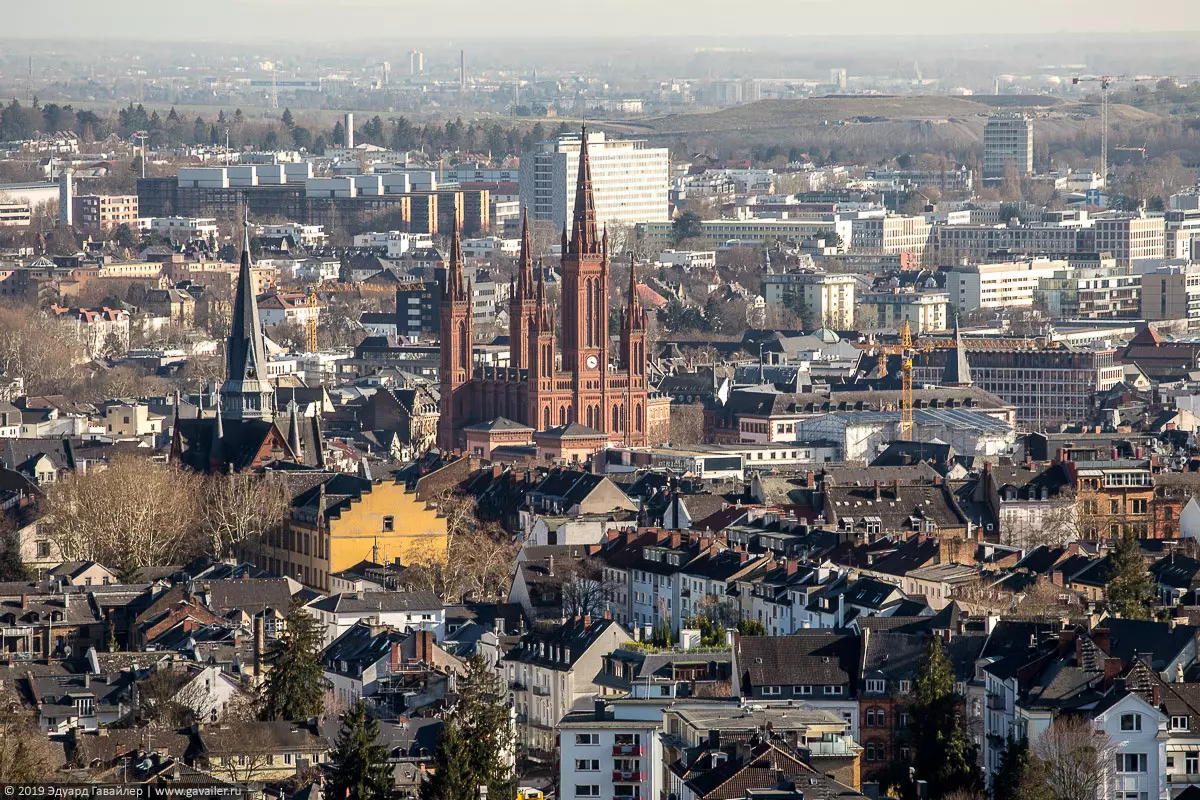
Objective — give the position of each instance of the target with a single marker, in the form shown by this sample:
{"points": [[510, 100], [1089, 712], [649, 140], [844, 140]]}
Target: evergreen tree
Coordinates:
{"points": [[751, 627], [451, 778], [486, 724], [287, 119], [945, 757], [1130, 587], [295, 686], [338, 136], [359, 768], [1019, 776]]}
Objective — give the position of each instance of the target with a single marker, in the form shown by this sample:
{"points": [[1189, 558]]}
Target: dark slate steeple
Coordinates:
{"points": [[958, 369], [246, 394]]}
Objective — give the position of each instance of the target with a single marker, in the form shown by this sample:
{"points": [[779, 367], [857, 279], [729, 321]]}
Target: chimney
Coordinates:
{"points": [[587, 620], [87, 680], [792, 566], [743, 556], [259, 636], [1112, 668], [811, 479], [676, 538], [878, 494], [24, 601], [1101, 637], [395, 659], [424, 644], [896, 488], [550, 565]]}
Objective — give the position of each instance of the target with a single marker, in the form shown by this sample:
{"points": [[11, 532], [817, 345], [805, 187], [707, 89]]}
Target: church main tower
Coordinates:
{"points": [[588, 385], [246, 393]]}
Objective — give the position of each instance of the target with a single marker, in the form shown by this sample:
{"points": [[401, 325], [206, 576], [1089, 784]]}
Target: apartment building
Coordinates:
{"points": [[828, 298], [551, 669], [1007, 284], [1172, 292], [181, 229], [629, 179], [925, 312], [1098, 293], [103, 212], [15, 215], [1047, 386], [1007, 139], [893, 235], [1131, 237]]}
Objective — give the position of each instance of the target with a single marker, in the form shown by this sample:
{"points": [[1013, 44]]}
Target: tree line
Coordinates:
{"points": [[20, 121]]}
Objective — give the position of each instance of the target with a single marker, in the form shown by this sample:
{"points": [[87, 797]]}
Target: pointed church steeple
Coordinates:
{"points": [[454, 270], [246, 393], [525, 273], [216, 449], [637, 316], [958, 369], [584, 237], [294, 430]]}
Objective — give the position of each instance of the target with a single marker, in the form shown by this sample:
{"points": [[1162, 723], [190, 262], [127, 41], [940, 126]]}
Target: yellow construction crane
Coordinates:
{"points": [[310, 320], [907, 348]]}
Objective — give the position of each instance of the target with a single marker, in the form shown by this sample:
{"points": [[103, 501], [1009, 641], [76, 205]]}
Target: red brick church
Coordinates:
{"points": [[539, 388]]}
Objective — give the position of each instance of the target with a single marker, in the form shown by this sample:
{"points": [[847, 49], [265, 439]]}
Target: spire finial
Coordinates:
{"points": [[525, 274]]}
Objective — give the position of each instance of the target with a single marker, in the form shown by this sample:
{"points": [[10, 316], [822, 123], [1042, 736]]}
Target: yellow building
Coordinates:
{"points": [[346, 519]]}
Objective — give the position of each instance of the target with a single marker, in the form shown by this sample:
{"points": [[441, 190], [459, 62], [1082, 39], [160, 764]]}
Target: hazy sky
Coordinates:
{"points": [[315, 20]]}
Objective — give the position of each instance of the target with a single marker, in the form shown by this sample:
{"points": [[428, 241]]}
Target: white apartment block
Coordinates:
{"points": [[181, 228], [1008, 284], [1131, 238], [1007, 138], [614, 752], [925, 312], [893, 235], [1101, 293], [629, 180], [689, 259], [829, 298]]}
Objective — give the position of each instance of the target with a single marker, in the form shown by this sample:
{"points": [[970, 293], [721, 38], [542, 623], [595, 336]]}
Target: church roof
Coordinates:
{"points": [[498, 424], [958, 369]]}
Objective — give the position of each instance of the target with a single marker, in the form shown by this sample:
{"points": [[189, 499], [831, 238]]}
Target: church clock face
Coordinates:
{"points": [[592, 362]]}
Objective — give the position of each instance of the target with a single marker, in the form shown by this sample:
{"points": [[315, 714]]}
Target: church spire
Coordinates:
{"points": [[958, 369], [216, 449], [454, 272], [525, 273], [584, 238], [246, 393], [636, 315], [542, 305], [294, 430]]}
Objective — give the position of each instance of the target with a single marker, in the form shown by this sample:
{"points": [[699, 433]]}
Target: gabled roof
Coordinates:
{"points": [[819, 657], [368, 602]]}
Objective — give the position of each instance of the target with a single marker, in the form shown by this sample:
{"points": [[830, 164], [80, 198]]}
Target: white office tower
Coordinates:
{"points": [[629, 180], [349, 130], [1007, 138], [66, 199]]}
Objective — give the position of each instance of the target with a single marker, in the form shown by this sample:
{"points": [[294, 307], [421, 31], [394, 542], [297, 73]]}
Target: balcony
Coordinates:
{"points": [[995, 702], [836, 748], [1182, 779], [542, 691], [619, 775], [627, 750]]}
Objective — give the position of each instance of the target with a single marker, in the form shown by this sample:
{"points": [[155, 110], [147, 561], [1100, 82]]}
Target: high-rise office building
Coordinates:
{"points": [[629, 180], [1007, 138]]}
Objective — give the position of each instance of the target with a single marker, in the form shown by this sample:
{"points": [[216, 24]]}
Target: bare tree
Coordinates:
{"points": [[244, 752], [585, 592], [1076, 758], [40, 350], [134, 513], [687, 423], [26, 755], [240, 508]]}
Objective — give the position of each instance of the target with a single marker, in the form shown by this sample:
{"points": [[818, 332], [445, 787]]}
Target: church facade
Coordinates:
{"points": [[549, 383]]}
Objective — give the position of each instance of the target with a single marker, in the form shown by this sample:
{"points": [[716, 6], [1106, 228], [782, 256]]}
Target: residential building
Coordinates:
{"points": [[720, 233], [550, 670], [15, 215], [1006, 284], [344, 519], [95, 212], [828, 298], [1131, 237], [1101, 293], [629, 180], [290, 308], [893, 235], [124, 419], [818, 668], [925, 312], [403, 611], [1172, 293], [181, 229], [1007, 140]]}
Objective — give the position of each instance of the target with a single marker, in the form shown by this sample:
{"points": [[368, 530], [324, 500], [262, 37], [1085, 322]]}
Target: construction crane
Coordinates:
{"points": [[907, 348], [310, 319], [1105, 81], [1141, 150]]}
